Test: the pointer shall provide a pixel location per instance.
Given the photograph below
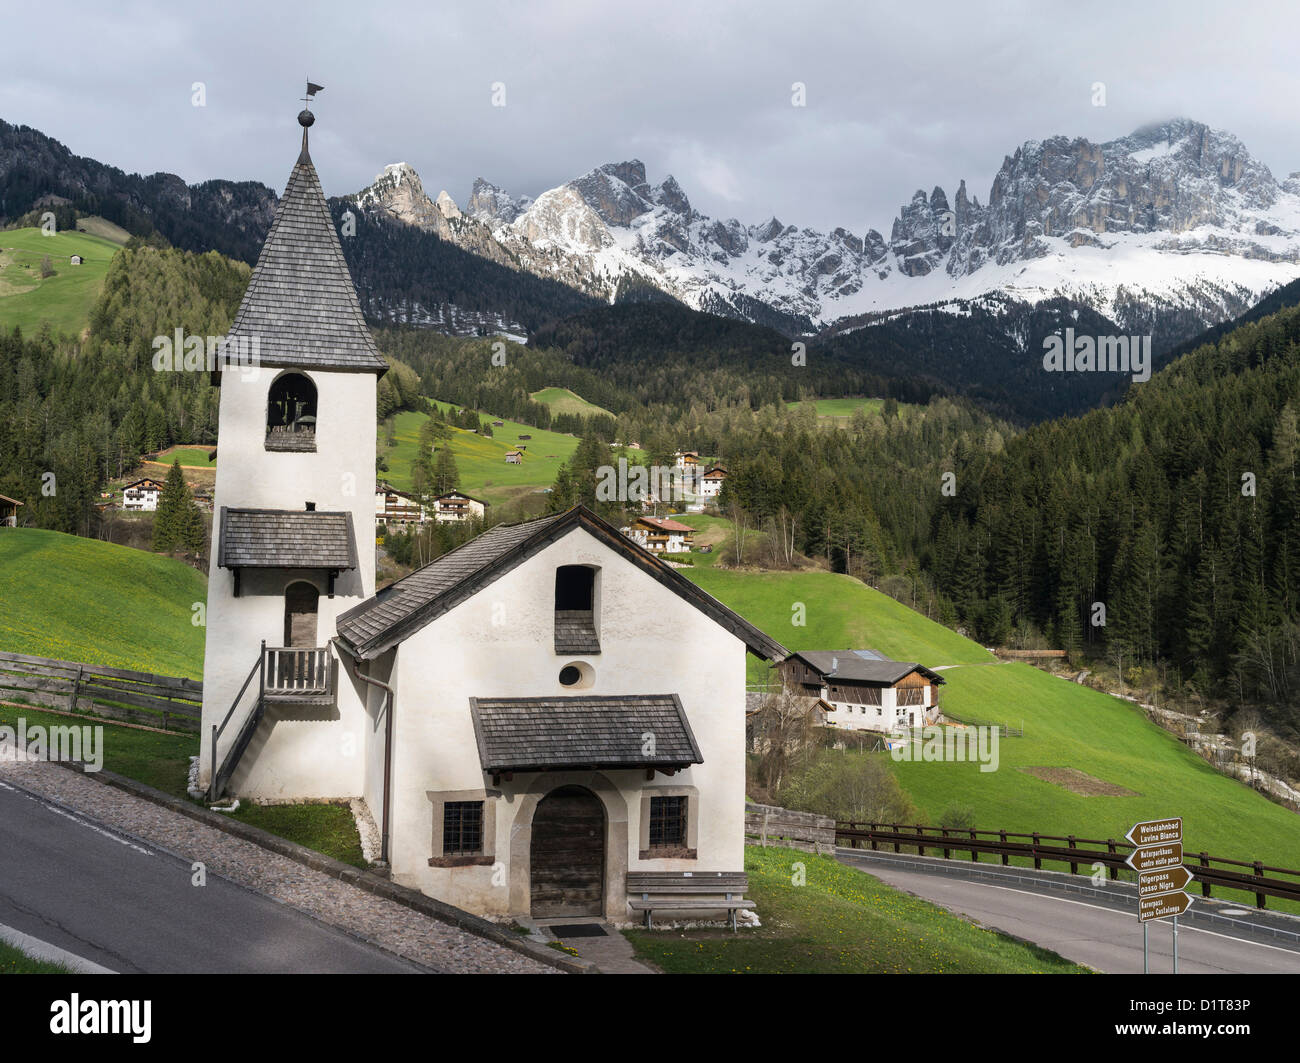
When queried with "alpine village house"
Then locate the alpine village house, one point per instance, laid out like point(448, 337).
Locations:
point(863, 690)
point(523, 738)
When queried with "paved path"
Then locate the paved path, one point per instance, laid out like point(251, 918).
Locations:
point(1090, 931)
point(103, 866)
point(132, 908)
point(611, 951)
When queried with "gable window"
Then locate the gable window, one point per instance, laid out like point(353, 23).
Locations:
point(291, 413)
point(667, 822)
point(462, 828)
point(575, 609)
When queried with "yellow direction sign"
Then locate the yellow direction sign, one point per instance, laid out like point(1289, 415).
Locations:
point(1162, 906)
point(1153, 857)
point(1165, 880)
point(1156, 832)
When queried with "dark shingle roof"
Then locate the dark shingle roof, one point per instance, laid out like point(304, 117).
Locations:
point(400, 610)
point(552, 733)
point(388, 611)
point(301, 302)
point(850, 666)
point(277, 538)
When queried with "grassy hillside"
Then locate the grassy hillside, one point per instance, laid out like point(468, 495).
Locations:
point(65, 299)
point(839, 411)
point(562, 400)
point(84, 600)
point(839, 613)
point(481, 461)
point(1066, 725)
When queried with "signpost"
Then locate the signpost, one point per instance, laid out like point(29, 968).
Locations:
point(1158, 860)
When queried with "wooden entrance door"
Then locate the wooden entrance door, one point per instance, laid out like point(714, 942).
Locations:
point(568, 854)
point(300, 604)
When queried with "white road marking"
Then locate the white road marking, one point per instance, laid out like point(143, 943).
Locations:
point(79, 820)
point(43, 950)
point(1113, 911)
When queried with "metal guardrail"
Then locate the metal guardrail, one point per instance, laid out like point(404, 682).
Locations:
point(1261, 879)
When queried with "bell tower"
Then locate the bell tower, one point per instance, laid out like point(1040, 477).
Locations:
point(293, 539)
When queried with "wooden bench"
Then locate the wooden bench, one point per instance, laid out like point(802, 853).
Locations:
point(650, 891)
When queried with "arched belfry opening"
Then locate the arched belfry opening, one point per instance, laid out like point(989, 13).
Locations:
point(291, 413)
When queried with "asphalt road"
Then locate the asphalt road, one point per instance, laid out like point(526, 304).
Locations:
point(1101, 937)
point(130, 907)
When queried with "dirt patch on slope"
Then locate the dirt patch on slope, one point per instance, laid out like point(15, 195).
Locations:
point(1080, 782)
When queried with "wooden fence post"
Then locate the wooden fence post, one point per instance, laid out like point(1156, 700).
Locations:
point(1259, 873)
point(1006, 858)
point(947, 853)
point(76, 689)
point(974, 856)
point(1038, 860)
point(1074, 864)
point(1110, 848)
point(1205, 886)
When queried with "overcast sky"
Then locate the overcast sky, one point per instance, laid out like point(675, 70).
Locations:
point(899, 96)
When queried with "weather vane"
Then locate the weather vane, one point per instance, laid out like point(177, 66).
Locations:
point(311, 91)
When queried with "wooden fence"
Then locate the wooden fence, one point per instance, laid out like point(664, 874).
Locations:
point(769, 825)
point(1209, 871)
point(162, 701)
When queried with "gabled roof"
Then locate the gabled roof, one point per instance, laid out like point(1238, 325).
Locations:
point(461, 494)
point(301, 304)
point(558, 733)
point(664, 524)
point(147, 480)
point(279, 538)
point(6, 498)
point(853, 666)
point(400, 610)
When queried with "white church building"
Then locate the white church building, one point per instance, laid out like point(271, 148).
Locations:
point(530, 719)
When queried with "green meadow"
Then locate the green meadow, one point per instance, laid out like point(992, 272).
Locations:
point(80, 599)
point(821, 917)
point(1066, 726)
point(64, 300)
point(829, 611)
point(840, 411)
point(481, 460)
point(562, 400)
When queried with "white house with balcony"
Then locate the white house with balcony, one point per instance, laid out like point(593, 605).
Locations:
point(142, 495)
point(865, 690)
point(456, 507)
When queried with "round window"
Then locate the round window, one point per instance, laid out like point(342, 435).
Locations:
point(570, 675)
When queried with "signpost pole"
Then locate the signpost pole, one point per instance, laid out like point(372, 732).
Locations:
point(1146, 951)
point(1175, 944)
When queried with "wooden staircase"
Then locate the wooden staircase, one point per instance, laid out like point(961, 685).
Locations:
point(286, 674)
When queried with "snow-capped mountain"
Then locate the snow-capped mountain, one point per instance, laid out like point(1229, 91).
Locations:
point(1178, 214)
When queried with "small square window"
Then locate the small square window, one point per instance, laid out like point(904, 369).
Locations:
point(462, 828)
point(667, 822)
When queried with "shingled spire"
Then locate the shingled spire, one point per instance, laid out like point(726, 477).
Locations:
point(301, 305)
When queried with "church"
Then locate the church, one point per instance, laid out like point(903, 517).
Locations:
point(535, 721)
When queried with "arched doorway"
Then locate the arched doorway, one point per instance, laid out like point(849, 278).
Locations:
point(300, 604)
point(567, 860)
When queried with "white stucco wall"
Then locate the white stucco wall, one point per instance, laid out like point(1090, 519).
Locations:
point(652, 642)
point(299, 751)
